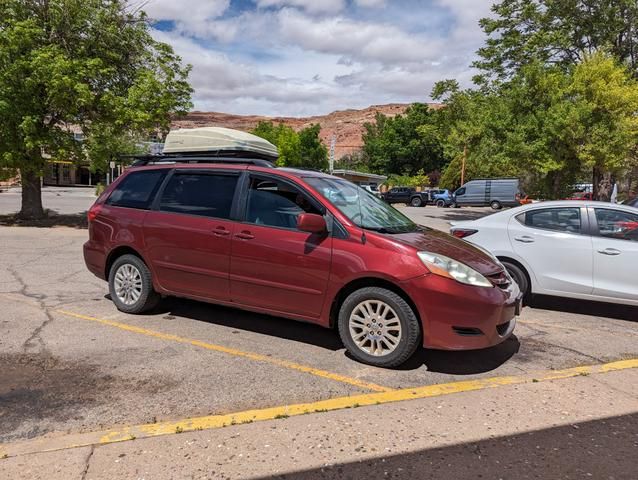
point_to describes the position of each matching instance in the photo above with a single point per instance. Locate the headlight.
(447, 267)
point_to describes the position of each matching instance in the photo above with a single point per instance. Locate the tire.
(496, 205)
(132, 271)
(416, 202)
(400, 313)
(440, 203)
(520, 277)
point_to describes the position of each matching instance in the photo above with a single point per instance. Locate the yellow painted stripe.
(231, 351)
(249, 416)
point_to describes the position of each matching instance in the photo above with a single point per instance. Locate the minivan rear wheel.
(496, 205)
(378, 327)
(131, 285)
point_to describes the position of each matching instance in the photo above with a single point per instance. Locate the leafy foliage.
(90, 64)
(546, 125)
(556, 32)
(405, 144)
(296, 150)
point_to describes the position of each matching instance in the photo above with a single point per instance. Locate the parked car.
(586, 250)
(441, 198)
(373, 189)
(406, 195)
(296, 244)
(495, 192)
(580, 196)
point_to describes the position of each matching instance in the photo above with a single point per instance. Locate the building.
(361, 178)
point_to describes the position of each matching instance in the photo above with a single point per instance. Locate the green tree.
(402, 145)
(556, 32)
(285, 139)
(296, 150)
(314, 153)
(86, 63)
(547, 125)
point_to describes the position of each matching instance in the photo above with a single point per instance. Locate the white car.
(578, 249)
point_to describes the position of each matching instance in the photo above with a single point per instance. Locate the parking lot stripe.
(231, 351)
(249, 416)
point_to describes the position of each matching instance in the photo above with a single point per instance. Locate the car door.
(615, 244)
(188, 234)
(556, 245)
(274, 265)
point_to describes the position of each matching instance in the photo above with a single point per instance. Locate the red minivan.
(297, 244)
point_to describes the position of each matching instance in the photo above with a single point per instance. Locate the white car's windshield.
(360, 206)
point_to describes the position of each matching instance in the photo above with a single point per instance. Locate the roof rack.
(245, 158)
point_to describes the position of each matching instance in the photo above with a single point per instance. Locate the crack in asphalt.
(36, 335)
(87, 462)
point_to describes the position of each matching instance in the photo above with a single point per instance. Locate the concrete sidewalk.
(580, 427)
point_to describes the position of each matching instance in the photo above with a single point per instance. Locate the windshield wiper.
(390, 230)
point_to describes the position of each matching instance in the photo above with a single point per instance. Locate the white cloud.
(370, 3)
(311, 6)
(306, 57)
(193, 10)
(356, 40)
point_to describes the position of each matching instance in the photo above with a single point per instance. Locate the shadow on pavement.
(584, 307)
(458, 363)
(469, 362)
(253, 322)
(76, 220)
(597, 449)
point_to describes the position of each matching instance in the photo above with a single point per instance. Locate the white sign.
(112, 164)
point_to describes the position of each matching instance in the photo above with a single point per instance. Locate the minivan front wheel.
(131, 285)
(378, 327)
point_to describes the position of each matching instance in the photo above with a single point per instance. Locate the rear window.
(557, 219)
(206, 195)
(137, 189)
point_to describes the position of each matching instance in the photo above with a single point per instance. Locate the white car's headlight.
(448, 267)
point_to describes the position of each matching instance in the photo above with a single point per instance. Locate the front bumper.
(461, 317)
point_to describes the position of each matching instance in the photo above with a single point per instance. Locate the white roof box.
(216, 139)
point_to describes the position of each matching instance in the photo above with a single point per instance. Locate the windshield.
(361, 207)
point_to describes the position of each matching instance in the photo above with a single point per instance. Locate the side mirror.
(311, 223)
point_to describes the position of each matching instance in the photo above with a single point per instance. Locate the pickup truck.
(406, 195)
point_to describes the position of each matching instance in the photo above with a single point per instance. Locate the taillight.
(93, 212)
(463, 232)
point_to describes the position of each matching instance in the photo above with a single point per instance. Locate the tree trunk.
(602, 185)
(31, 195)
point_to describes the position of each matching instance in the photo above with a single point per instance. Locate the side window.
(557, 219)
(276, 204)
(460, 191)
(617, 224)
(199, 194)
(137, 189)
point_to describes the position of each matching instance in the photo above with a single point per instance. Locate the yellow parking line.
(249, 416)
(231, 351)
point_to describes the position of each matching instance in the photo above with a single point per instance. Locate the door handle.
(221, 232)
(524, 239)
(610, 251)
(245, 235)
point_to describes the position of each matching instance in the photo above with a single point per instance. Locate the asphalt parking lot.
(72, 363)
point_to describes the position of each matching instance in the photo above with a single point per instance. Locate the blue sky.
(311, 57)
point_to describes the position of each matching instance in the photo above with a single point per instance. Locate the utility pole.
(463, 161)
(333, 144)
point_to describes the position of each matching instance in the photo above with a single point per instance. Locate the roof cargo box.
(217, 139)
